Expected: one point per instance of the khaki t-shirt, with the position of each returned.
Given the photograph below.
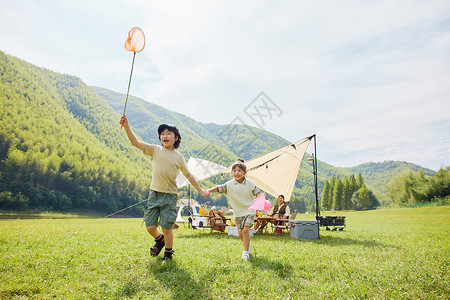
(166, 165)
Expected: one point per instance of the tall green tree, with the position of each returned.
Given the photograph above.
(352, 183)
(347, 194)
(361, 199)
(359, 181)
(338, 193)
(326, 196)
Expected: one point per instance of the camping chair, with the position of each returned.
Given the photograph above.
(282, 224)
(217, 220)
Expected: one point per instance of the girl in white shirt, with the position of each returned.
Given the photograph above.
(241, 193)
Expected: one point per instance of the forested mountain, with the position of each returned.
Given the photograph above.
(61, 146)
(58, 147)
(378, 175)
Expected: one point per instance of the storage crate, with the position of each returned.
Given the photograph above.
(304, 229)
(338, 222)
(232, 230)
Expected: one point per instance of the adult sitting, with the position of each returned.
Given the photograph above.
(278, 211)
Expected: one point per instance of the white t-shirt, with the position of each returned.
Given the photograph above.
(241, 195)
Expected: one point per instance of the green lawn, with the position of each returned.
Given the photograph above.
(383, 254)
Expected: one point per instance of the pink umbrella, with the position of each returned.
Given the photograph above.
(260, 203)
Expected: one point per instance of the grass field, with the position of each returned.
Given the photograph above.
(382, 254)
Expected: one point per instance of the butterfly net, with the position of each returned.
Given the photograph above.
(135, 41)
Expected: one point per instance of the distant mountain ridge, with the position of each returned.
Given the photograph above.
(378, 174)
(145, 118)
(139, 111)
(67, 133)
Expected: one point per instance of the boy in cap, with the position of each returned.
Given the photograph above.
(161, 206)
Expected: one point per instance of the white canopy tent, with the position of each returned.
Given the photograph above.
(190, 204)
(274, 172)
(277, 171)
(201, 169)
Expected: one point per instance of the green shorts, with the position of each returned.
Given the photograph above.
(161, 209)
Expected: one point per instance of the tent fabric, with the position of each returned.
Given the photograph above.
(277, 171)
(201, 169)
(191, 204)
(187, 202)
(274, 172)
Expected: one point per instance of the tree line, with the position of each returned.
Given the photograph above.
(416, 187)
(347, 194)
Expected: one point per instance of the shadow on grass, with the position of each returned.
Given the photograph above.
(329, 240)
(282, 269)
(334, 240)
(178, 281)
(202, 234)
(345, 241)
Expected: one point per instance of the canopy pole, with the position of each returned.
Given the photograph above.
(189, 203)
(315, 178)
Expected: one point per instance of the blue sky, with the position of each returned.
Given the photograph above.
(370, 78)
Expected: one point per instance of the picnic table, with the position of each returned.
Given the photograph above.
(277, 224)
(261, 220)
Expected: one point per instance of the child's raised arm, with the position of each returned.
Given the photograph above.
(130, 134)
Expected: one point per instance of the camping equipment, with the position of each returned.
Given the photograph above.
(304, 229)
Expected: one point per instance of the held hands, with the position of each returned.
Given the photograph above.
(205, 193)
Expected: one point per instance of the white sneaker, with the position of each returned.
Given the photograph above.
(245, 255)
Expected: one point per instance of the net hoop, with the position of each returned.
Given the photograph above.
(135, 41)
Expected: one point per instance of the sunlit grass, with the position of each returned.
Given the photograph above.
(392, 253)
